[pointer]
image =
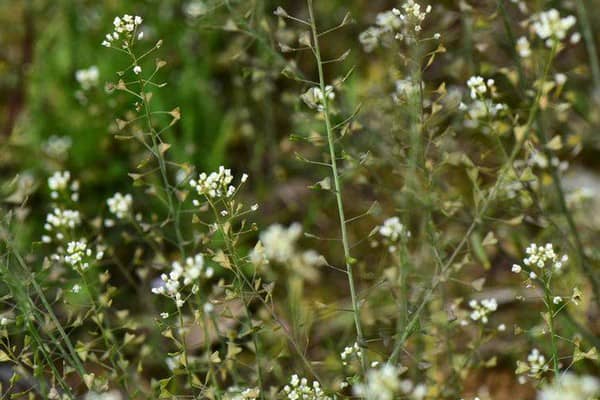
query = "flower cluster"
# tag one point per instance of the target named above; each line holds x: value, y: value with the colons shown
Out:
x: 399, y: 24
x: 315, y: 99
x: 120, y: 205
x: 60, y: 182
x: 543, y: 257
x: 79, y: 254
x: 58, y: 146
x: 482, y: 106
x: 300, y: 389
x: 571, y: 387
x: 380, y: 383
x: 124, y: 28
x: 412, y: 391
x: 481, y: 309
x: 350, y: 351
x: 550, y: 27
x: 534, y: 366
x: 59, y: 219
x: 278, y: 244
x: 183, y: 275
x: 393, y: 232
x: 479, y: 86
x: 216, y: 184
x: 88, y: 78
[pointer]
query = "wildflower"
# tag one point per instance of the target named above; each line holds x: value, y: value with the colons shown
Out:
x: 523, y: 47
x: 299, y: 388
x: 194, y: 9
x: 400, y: 24
x: 542, y: 258
x: 279, y: 243
x: 369, y: 38
x: 137, y: 70
x: 393, y: 232
x: 58, y: 146
x: 87, y: 78
x: 164, y: 315
x: 77, y: 253
x: 58, y: 182
x: 516, y: 268
x: 560, y: 79
x: 571, y: 387
x: 59, y: 219
x: 482, y: 309
x: 4, y: 321
x: 350, y: 351
x: 76, y: 289
x: 380, y: 384
x: 557, y: 300
x: 478, y: 86
x: 315, y: 99
x: 550, y: 27
x: 124, y: 29
x: 575, y: 38
x: 535, y: 364
x: 183, y: 275
x: 214, y: 185
x: 120, y: 205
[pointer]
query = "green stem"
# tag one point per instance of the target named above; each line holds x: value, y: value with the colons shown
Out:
x: 337, y: 185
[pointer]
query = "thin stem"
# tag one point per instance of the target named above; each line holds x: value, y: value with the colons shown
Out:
x: 337, y: 185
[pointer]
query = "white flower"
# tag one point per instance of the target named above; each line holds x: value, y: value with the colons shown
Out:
x: 557, y: 300
x: 560, y: 79
x: 183, y: 275
x: 536, y: 363
x: 216, y: 184
x: 124, y: 28
x: 88, y: 78
x: 315, y: 99
x: 76, y: 288
x: 523, y: 47
x: 481, y: 310
x: 516, y: 268
x: 350, y: 351
x: 380, y: 384
x: 195, y: 9
x: 571, y: 387
x: 477, y: 86
x: 120, y: 205
x: 550, y: 27
x: 59, y: 181
x: 78, y: 253
x: 393, y: 232
x: 400, y: 24
x: 301, y: 389
x: 137, y: 70
x: 58, y: 146
x: 58, y: 220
